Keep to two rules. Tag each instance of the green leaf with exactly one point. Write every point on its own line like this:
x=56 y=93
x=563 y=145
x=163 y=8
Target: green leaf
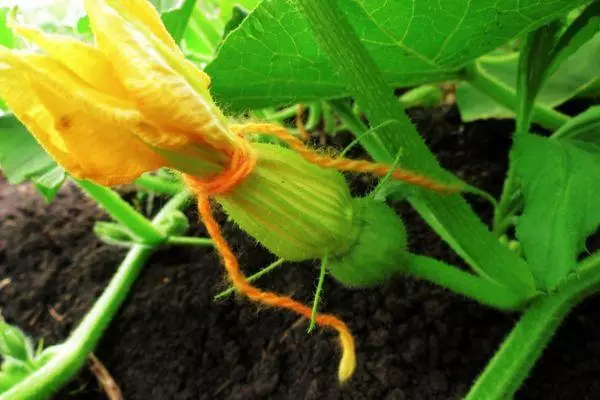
x=14 y=343
x=535 y=59
x=6 y=36
x=584 y=127
x=585 y=26
x=273 y=57
x=49 y=183
x=228 y=7
x=22 y=158
x=176 y=19
x=559 y=180
x=576 y=75
x=6 y=39
x=237 y=17
x=204 y=33
x=164 y=6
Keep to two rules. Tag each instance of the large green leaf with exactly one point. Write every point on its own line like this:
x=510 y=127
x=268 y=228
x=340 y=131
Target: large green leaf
x=559 y=180
x=204 y=33
x=273 y=58
x=22 y=158
x=577 y=74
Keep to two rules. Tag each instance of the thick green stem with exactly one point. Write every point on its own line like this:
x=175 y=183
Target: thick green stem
x=159 y=185
x=188 y=241
x=464 y=283
x=315 y=111
x=426 y=95
x=286 y=113
x=506 y=96
x=121 y=211
x=72 y=354
x=512 y=363
x=449 y=215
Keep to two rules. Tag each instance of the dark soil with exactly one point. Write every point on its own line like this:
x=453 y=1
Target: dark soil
x=172 y=341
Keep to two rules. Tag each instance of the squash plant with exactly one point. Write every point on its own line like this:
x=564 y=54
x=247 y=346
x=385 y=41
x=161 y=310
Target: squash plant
x=137 y=100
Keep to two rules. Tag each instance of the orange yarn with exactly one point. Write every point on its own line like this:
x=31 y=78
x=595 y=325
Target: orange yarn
x=242 y=162
x=348 y=361
x=343 y=164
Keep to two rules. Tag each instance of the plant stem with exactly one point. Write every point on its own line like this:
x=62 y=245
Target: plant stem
x=121 y=211
x=159 y=185
x=512 y=363
x=286 y=113
x=426 y=95
x=318 y=292
x=450 y=216
x=487 y=84
x=464 y=283
x=73 y=353
x=251 y=278
x=315 y=111
x=188 y=241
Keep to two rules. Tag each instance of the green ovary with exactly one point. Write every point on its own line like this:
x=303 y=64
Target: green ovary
x=380 y=250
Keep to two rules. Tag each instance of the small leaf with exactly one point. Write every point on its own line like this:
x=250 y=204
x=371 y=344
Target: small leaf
x=21 y=157
x=534 y=60
x=238 y=15
x=6 y=35
x=14 y=343
x=559 y=180
x=49 y=183
x=228 y=8
x=579 y=32
x=114 y=234
x=203 y=34
x=576 y=75
x=584 y=127
x=176 y=19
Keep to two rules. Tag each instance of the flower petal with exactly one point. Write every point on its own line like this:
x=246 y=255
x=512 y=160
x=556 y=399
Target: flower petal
x=87 y=62
x=146 y=14
x=15 y=90
x=168 y=89
x=109 y=154
x=54 y=76
x=90 y=147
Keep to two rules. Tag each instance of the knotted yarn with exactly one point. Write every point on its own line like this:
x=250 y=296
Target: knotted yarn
x=242 y=162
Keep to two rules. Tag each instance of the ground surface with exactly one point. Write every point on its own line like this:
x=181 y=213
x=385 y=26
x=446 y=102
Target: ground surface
x=171 y=341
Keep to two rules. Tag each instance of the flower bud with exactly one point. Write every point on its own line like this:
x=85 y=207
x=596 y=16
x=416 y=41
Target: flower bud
x=295 y=209
x=114 y=234
x=176 y=223
x=14 y=343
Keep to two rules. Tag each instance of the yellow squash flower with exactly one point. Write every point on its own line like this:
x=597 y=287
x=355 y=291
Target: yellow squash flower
x=130 y=104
